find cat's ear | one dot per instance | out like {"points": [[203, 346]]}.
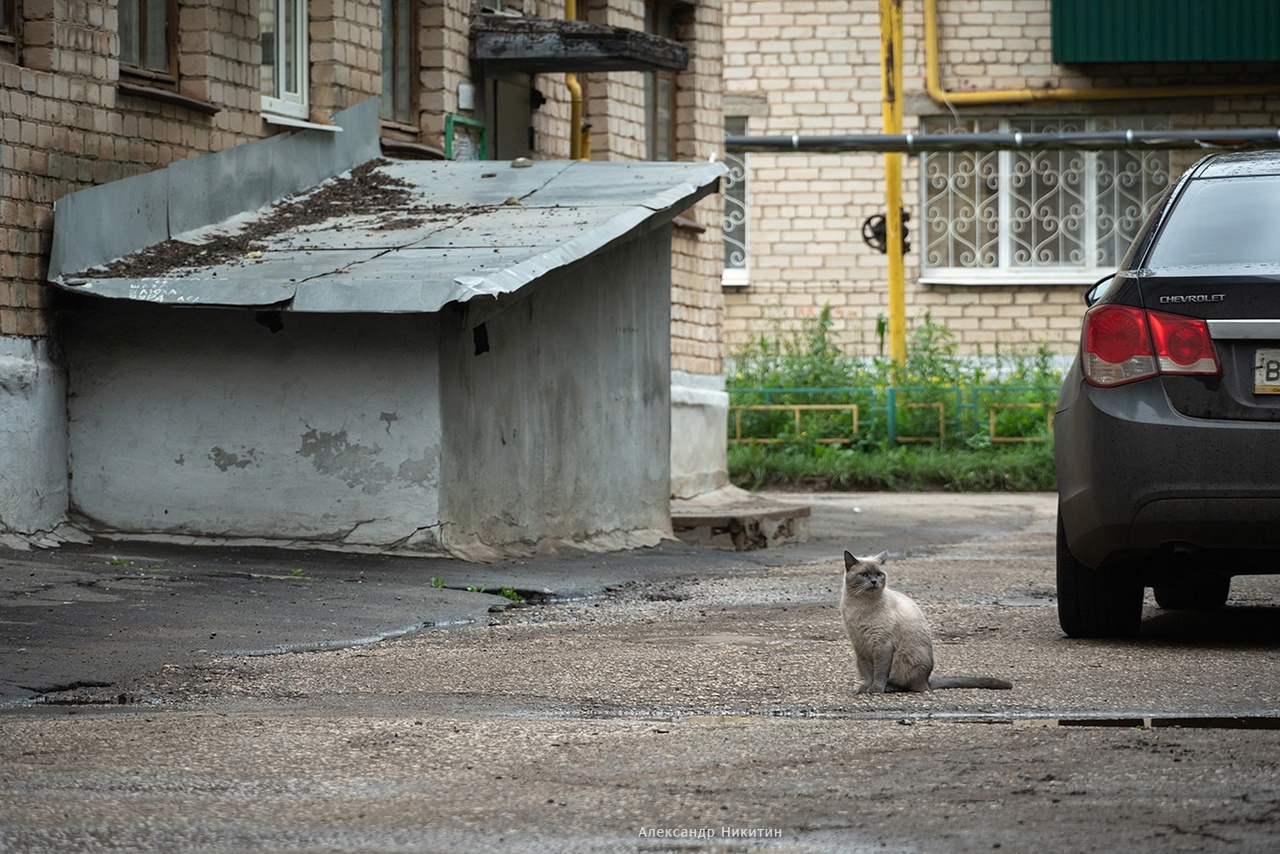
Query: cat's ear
{"points": [[881, 558], [849, 560]]}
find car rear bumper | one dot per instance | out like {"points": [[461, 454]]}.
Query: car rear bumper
{"points": [[1135, 476]]}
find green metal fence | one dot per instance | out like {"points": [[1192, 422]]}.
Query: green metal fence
{"points": [[997, 414]]}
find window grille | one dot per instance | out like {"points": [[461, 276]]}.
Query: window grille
{"points": [[1041, 216]]}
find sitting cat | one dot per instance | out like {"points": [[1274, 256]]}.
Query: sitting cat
{"points": [[890, 636]]}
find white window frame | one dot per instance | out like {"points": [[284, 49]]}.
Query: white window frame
{"points": [[1008, 271], [290, 104]]}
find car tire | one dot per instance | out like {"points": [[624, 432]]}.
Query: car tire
{"points": [[1093, 604], [1194, 597]]}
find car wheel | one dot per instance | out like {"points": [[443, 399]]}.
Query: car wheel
{"points": [[1093, 604], [1205, 596]]}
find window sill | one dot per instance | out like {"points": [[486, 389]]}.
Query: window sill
{"points": [[407, 129], [165, 96], [410, 150], [735, 278], [289, 121], [994, 278]]}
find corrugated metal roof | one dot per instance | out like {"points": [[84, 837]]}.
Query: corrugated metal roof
{"points": [[442, 232], [382, 236], [1166, 31]]}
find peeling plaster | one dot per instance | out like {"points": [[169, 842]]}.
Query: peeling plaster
{"points": [[419, 472], [355, 465], [225, 460]]}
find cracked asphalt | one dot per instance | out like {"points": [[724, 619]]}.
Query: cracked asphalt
{"points": [[668, 700]]}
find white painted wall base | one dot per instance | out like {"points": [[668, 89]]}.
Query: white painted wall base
{"points": [[33, 443], [699, 413]]}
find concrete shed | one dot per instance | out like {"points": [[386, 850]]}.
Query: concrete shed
{"points": [[298, 342]]}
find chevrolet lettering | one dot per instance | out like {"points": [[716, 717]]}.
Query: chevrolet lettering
{"points": [[1176, 299]]}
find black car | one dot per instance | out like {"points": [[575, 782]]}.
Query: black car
{"points": [[1167, 428]]}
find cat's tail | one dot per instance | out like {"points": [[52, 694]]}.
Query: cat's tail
{"points": [[937, 683]]}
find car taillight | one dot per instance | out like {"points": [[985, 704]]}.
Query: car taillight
{"points": [[1182, 344], [1123, 344]]}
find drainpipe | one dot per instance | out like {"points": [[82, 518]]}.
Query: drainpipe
{"points": [[933, 83], [891, 109], [575, 97]]}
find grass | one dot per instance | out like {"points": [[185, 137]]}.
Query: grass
{"points": [[799, 367], [1017, 468], [506, 592]]}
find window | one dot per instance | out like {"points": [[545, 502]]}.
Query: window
{"points": [[148, 37], [1222, 222], [8, 20], [398, 66], [735, 208], [10, 17], [1042, 216], [660, 90], [284, 57]]}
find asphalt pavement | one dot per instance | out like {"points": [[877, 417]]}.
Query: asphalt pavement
{"points": [[685, 700], [91, 615]]}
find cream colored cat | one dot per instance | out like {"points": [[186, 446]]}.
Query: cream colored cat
{"points": [[890, 635]]}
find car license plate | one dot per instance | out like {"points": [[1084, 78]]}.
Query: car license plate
{"points": [[1266, 371]]}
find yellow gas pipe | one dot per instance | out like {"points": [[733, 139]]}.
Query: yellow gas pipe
{"points": [[933, 82], [576, 132], [891, 110]]}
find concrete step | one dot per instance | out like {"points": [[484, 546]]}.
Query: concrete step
{"points": [[734, 519]]}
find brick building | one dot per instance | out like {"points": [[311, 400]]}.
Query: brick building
{"points": [[1002, 243], [92, 92]]}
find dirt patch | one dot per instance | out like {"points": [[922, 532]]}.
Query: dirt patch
{"points": [[365, 191]]}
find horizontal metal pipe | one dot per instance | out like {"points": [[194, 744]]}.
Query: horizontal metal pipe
{"points": [[1086, 141]]}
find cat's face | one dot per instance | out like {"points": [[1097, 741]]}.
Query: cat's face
{"points": [[863, 574]]}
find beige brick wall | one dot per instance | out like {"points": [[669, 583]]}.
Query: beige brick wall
{"points": [[697, 307], [442, 50], [814, 68], [346, 59], [64, 125], [615, 109]]}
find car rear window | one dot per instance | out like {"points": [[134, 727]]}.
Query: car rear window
{"points": [[1222, 221]]}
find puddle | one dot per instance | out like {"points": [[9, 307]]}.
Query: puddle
{"points": [[1187, 722], [730, 715]]}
